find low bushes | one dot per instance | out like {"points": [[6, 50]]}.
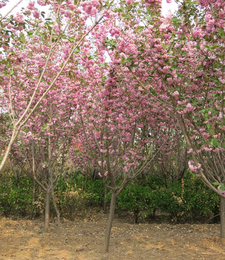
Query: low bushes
{"points": [[15, 195], [138, 199], [180, 202], [77, 192], [188, 200]]}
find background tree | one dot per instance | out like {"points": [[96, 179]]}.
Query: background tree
{"points": [[21, 36], [43, 147], [182, 59], [116, 140], [171, 163]]}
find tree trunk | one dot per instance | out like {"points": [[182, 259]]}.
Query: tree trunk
{"points": [[136, 213], [33, 200], [104, 203], [56, 209], [222, 217], [47, 209], [110, 221]]}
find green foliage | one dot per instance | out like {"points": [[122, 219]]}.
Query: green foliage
{"points": [[77, 192], [16, 195], [95, 192], [200, 200], [188, 200], [137, 198], [181, 201]]}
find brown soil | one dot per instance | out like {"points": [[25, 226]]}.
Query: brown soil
{"points": [[83, 240]]}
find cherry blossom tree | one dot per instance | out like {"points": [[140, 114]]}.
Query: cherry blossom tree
{"points": [[201, 104], [182, 59], [114, 139], [43, 145], [171, 163], [41, 45], [118, 118], [134, 79]]}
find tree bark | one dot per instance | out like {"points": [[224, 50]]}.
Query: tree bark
{"points": [[33, 199], [105, 202], [55, 207], [136, 213], [110, 221], [222, 217], [47, 209]]}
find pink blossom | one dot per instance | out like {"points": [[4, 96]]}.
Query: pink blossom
{"points": [[41, 2], [18, 18], [196, 33], [208, 17], [222, 192], [175, 93], [190, 108], [36, 38], [36, 14], [205, 135], [207, 149], [128, 2], [88, 9], [56, 28], [192, 167], [31, 5], [94, 3], [125, 168], [2, 5], [190, 150]]}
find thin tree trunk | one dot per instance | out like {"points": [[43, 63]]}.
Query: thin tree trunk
{"points": [[33, 199], [110, 221], [6, 155], [136, 213], [105, 203], [50, 169], [47, 209], [56, 209], [222, 217]]}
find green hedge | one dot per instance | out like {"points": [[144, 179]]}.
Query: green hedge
{"points": [[182, 201], [76, 192], [15, 195]]}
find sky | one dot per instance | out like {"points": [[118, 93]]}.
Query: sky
{"points": [[166, 8]]}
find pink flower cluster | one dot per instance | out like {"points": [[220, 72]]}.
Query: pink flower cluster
{"points": [[18, 18], [90, 7], [2, 5], [192, 167]]}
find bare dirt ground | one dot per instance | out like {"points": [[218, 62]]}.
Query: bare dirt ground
{"points": [[83, 240]]}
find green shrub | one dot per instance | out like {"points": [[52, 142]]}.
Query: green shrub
{"points": [[16, 195], [95, 192], [187, 200], [76, 192], [5, 189], [200, 200], [138, 199]]}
